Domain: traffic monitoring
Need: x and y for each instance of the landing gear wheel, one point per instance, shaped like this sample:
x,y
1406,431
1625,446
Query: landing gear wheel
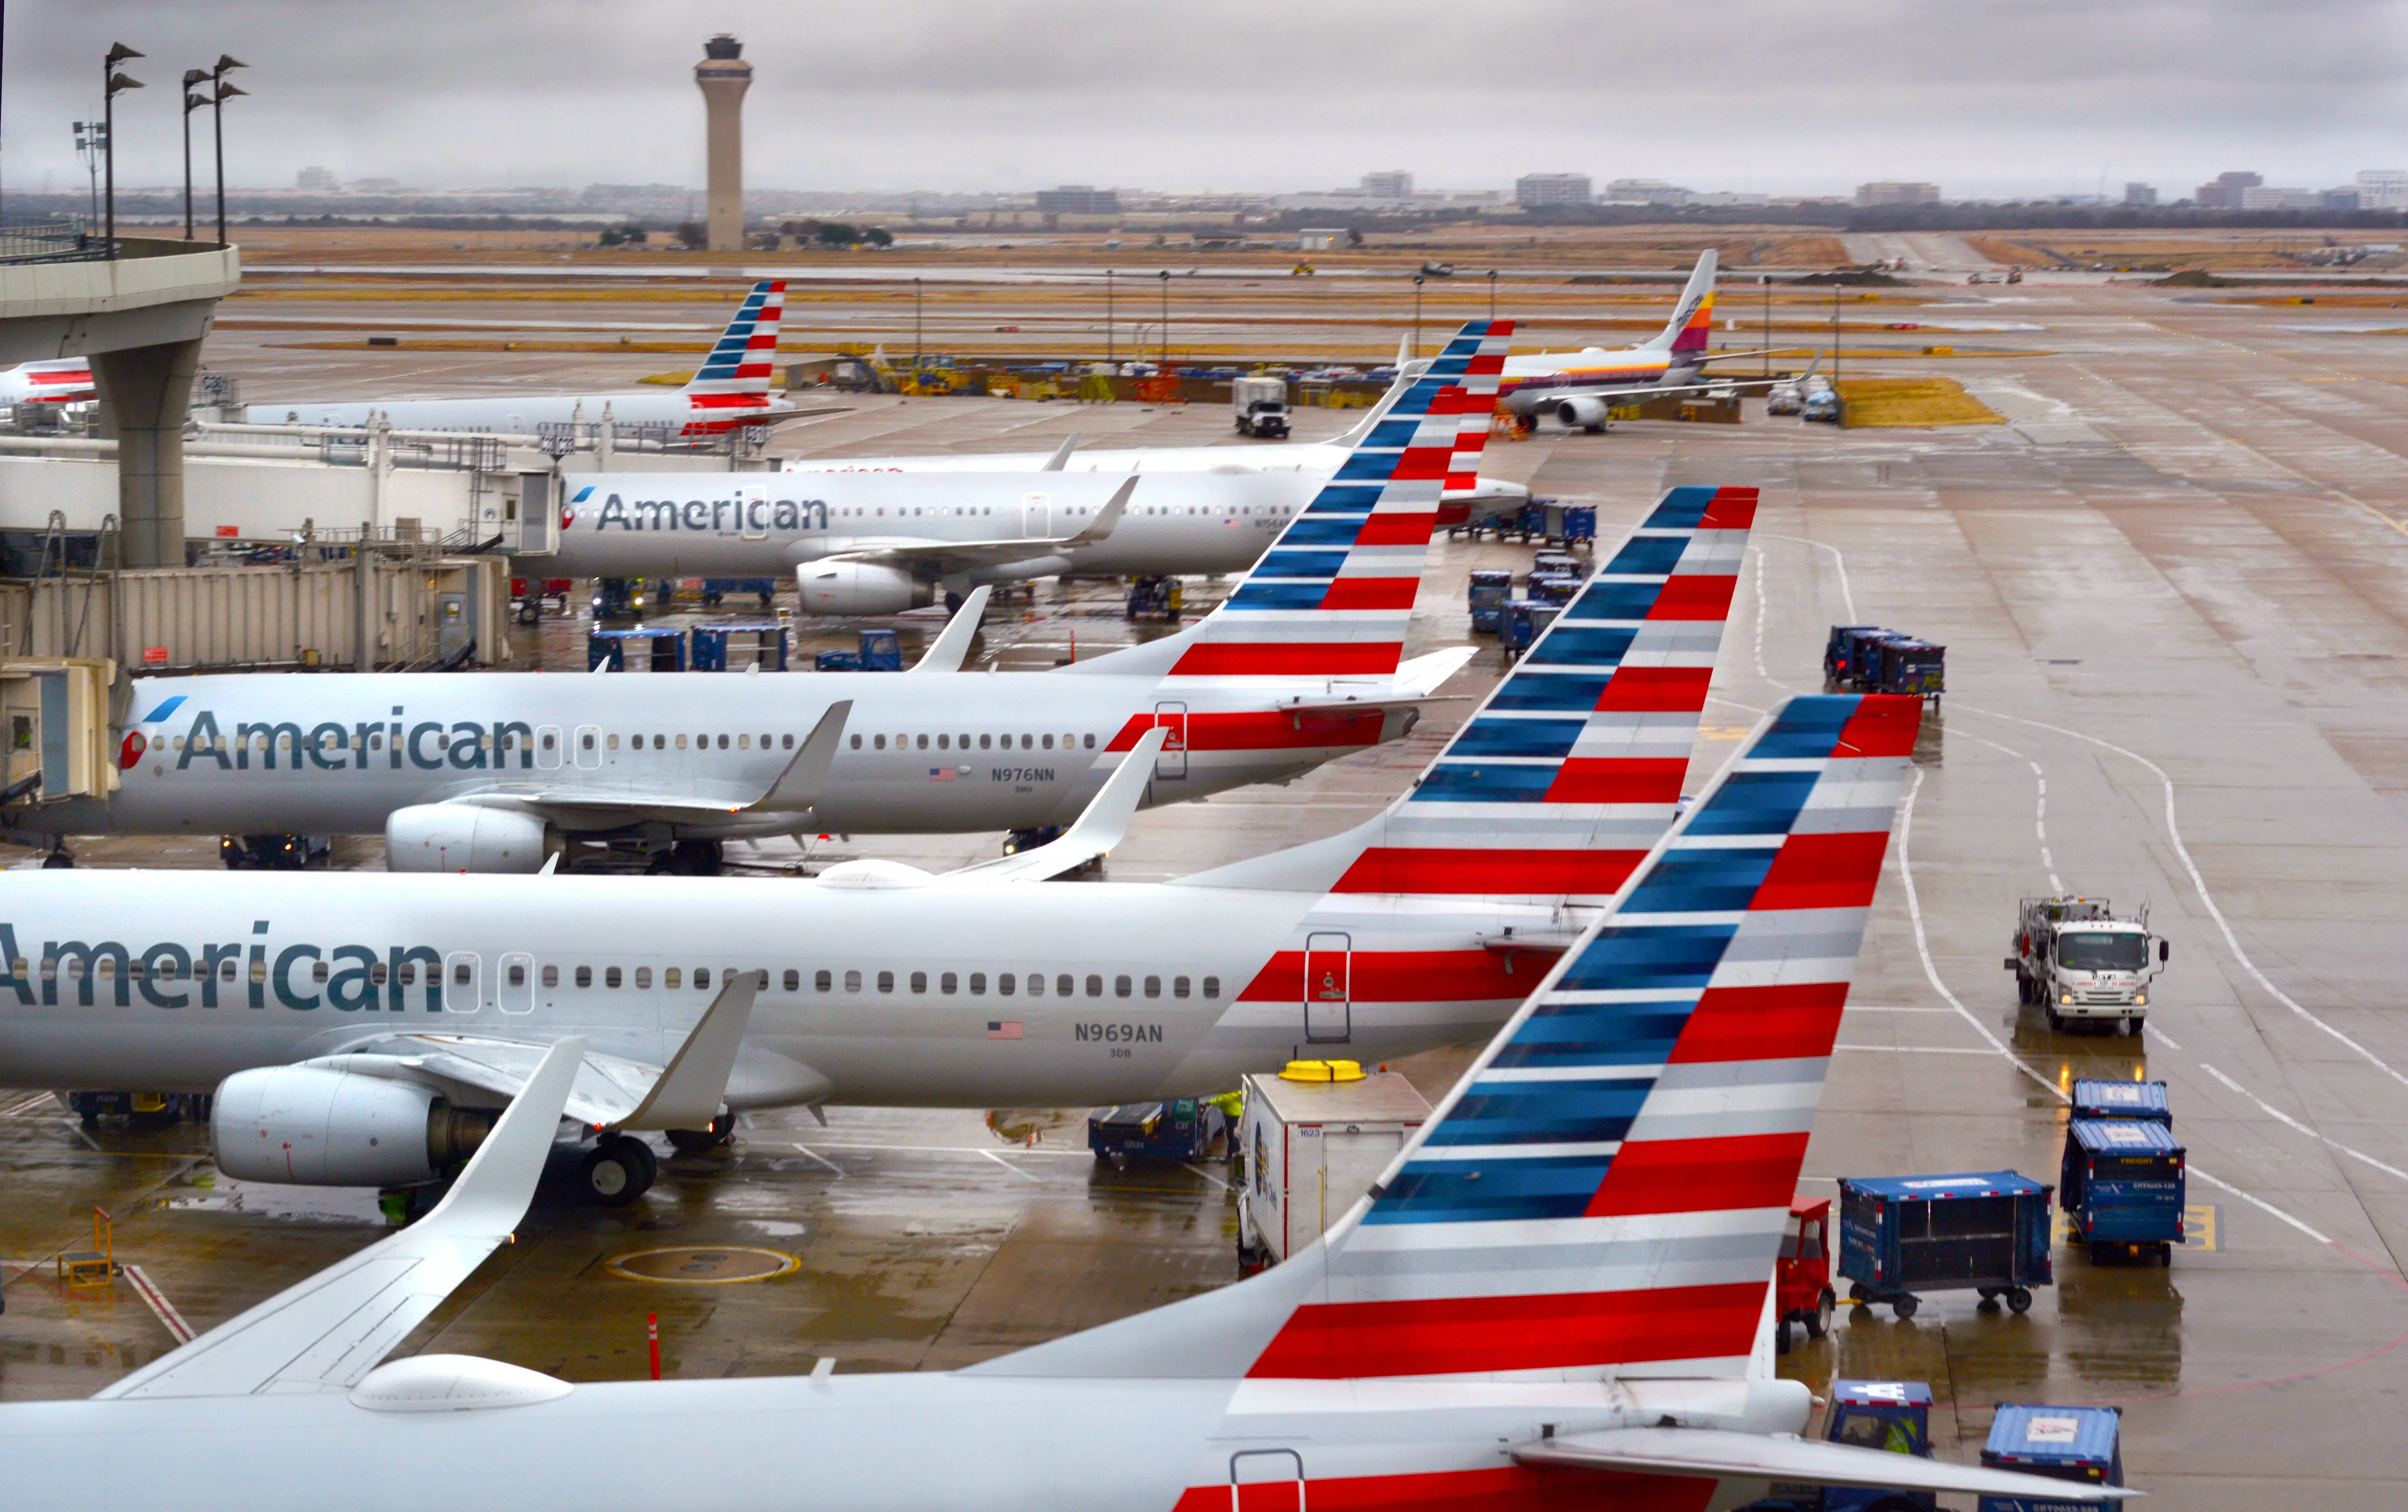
x,y
700,1141
1819,1322
953,602
59,859
1781,1337
1904,1306
618,1170
2019,1299
697,858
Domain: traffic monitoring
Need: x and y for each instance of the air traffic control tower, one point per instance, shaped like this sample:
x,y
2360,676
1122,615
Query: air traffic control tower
x,y
724,76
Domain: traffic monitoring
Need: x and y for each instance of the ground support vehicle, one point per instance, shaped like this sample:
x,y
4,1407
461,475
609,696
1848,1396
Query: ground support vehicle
x,y
1525,621
663,650
1801,1276
1176,1132
529,595
273,852
1891,1416
1986,1232
2080,1444
1821,405
1490,587
772,641
1314,1139
619,598
1878,661
1259,405
2121,1184
2080,960
716,589
881,650
1555,588
155,1110
1558,562
1165,597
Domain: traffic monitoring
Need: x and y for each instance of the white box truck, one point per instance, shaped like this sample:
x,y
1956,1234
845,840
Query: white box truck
x,y
1259,405
1313,1138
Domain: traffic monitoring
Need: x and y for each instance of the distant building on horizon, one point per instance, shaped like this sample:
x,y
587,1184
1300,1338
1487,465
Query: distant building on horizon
x,y
1395,183
1077,199
2136,194
2383,189
2226,192
1547,191
2280,197
1644,191
374,186
321,180
1892,192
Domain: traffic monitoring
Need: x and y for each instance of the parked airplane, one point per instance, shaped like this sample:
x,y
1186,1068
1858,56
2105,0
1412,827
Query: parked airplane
x,y
65,381
1577,388
887,985
730,389
1555,1295
492,772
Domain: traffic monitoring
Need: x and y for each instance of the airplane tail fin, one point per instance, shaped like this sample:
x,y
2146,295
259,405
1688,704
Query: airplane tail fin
x,y
738,369
1604,1192
1407,370
1570,771
1693,319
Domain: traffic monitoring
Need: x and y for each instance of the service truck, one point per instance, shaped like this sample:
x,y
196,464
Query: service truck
x,y
1310,1141
1259,405
2083,962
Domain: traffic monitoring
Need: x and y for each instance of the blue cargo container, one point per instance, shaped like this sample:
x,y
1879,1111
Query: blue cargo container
x,y
1557,588
1837,650
666,653
1580,524
2123,1100
1894,1417
1525,620
2121,1185
1903,664
2078,1444
1176,1131
1986,1231
1490,587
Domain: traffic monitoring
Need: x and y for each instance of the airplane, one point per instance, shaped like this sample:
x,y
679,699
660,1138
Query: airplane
x,y
1577,388
1557,1294
887,985
495,772
730,389
65,381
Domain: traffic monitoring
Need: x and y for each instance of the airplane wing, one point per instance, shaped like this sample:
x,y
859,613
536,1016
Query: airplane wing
x,y
1725,1454
947,651
1423,676
796,788
1099,827
968,556
327,1333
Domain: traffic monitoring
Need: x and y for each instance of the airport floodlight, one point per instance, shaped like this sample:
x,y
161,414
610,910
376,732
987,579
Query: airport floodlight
x,y
191,102
225,62
1165,276
118,53
113,83
120,82
1492,293
217,127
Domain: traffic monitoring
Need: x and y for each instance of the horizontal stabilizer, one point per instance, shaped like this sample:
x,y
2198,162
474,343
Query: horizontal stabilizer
x,y
1725,1454
329,1330
951,646
1423,676
1100,828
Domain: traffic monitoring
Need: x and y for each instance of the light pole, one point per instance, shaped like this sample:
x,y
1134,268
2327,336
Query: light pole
x,y
1165,276
1417,317
1492,293
192,102
1766,280
1109,356
91,139
919,328
111,83
217,123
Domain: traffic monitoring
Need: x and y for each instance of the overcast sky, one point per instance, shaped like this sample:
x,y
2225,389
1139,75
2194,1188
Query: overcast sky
x,y
1983,96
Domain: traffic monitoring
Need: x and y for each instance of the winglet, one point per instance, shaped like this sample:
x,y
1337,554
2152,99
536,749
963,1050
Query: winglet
x,y
688,1094
799,787
1061,457
1102,827
951,646
1107,517
492,1190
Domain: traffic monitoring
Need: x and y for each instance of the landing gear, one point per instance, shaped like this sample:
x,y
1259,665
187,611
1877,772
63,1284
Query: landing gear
x,y
619,1170
687,858
702,1141
60,859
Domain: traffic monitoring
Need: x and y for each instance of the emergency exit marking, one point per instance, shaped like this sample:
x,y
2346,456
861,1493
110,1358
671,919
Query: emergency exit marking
x,y
154,656
2203,1228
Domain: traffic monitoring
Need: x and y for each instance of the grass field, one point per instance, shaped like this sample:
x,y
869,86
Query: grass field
x,y
1913,402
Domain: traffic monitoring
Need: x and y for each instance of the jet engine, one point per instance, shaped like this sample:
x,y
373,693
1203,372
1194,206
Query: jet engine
x,y
306,1125
1581,412
462,837
860,587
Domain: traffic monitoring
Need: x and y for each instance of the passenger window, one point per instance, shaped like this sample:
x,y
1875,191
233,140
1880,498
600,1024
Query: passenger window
x,y
977,984
1036,984
1003,984
550,975
944,742
886,981
852,982
744,742
661,742
585,976
919,982
856,741
613,743
375,974
681,742
1211,986
1095,987
1153,986
948,983
986,742
1119,987
1064,986
1090,742
316,970
460,974
821,981
407,975
881,742
1049,742
1028,742
723,742
1179,987
787,742
924,742
669,977
701,977
610,976
643,976
517,974
794,980
765,742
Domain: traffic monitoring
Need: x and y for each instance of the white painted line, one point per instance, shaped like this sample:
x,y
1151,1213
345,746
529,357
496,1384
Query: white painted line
x,y
2152,1032
1206,1176
149,1291
1847,594
1856,1008
2288,1122
1007,1166
949,1149
1914,1049
2259,1204
27,1106
806,1149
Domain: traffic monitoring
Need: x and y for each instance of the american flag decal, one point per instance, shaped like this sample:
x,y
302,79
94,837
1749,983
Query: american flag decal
x,y
941,773
1003,1029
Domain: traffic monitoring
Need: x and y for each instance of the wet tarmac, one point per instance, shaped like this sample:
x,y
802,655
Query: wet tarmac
x,y
2172,593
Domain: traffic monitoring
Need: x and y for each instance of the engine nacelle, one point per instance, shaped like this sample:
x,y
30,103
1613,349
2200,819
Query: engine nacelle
x,y
1581,412
860,587
306,1125
462,837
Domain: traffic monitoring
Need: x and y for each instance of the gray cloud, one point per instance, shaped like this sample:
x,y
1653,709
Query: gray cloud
x,y
1245,94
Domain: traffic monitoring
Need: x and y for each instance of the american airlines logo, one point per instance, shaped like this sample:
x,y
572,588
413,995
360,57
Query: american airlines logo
x,y
428,744
348,979
717,515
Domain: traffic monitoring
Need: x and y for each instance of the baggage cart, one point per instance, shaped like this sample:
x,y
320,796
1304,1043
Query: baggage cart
x,y
710,645
1176,1132
2121,1185
1490,587
2079,1445
1557,588
1839,652
1313,1138
1558,562
2123,1100
1986,1231
1525,620
881,650
1913,667
663,649
1580,524
716,589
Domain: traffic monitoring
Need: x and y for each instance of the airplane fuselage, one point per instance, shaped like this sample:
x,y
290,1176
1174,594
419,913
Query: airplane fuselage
x,y
520,414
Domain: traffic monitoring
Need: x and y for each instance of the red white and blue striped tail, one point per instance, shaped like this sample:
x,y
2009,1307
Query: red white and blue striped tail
x,y
1572,770
736,372
1604,1192
1332,595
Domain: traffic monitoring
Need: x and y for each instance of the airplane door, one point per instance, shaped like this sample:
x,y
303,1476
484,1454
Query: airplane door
x,y
515,994
463,982
1328,989
1036,516
1267,1480
752,511
589,747
1171,762
546,747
